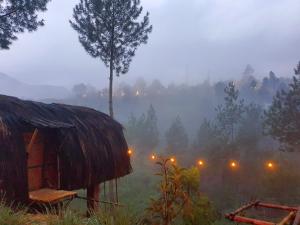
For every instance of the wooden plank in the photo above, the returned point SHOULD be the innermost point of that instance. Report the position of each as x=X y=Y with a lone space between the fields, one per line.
x=288 y=219
x=241 y=219
x=35 y=156
x=243 y=208
x=32 y=140
x=93 y=195
x=273 y=206
x=297 y=219
x=50 y=196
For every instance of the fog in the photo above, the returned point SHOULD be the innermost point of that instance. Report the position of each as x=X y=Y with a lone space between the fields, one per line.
x=191 y=42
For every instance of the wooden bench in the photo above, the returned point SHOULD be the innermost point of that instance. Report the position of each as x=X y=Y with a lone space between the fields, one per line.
x=48 y=196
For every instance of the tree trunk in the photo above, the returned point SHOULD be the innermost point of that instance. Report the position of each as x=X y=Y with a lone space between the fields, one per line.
x=110 y=102
x=111 y=113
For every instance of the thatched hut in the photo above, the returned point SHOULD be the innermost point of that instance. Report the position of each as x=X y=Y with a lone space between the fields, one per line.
x=57 y=146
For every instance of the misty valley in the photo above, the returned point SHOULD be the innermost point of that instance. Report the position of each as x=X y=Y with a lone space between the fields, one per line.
x=151 y=112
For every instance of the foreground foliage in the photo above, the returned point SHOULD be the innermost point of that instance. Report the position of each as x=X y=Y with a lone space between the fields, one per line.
x=179 y=200
x=8 y=216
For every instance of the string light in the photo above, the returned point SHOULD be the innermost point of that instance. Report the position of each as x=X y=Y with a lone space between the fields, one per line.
x=233 y=164
x=200 y=163
x=270 y=165
x=153 y=157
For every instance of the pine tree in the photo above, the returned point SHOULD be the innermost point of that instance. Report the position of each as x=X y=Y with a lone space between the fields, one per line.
x=282 y=118
x=111 y=30
x=207 y=135
x=250 y=128
x=18 y=16
x=230 y=114
x=151 y=130
x=176 y=137
x=249 y=71
x=143 y=132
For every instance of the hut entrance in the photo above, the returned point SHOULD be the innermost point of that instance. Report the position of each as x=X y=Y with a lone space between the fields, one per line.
x=42 y=161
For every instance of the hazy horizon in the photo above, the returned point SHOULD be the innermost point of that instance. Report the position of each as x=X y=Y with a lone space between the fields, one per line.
x=190 y=43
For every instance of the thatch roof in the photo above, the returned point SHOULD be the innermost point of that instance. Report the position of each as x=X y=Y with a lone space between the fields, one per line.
x=92 y=145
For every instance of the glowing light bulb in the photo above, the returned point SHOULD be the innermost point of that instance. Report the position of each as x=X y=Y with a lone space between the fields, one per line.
x=270 y=165
x=172 y=159
x=130 y=152
x=233 y=164
x=153 y=157
x=200 y=163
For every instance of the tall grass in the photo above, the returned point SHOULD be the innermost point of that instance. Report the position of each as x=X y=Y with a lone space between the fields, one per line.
x=10 y=215
x=66 y=217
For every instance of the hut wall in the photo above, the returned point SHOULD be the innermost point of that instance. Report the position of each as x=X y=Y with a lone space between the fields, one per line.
x=35 y=159
x=41 y=162
x=51 y=177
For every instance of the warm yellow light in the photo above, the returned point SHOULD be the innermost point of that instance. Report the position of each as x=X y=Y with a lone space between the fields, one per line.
x=200 y=163
x=233 y=164
x=172 y=159
x=130 y=152
x=270 y=165
x=153 y=157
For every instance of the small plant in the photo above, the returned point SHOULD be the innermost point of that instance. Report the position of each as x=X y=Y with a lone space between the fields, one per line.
x=179 y=199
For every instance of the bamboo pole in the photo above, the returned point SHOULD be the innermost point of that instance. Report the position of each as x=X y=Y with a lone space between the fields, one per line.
x=241 y=219
x=288 y=218
x=273 y=206
x=99 y=201
x=297 y=219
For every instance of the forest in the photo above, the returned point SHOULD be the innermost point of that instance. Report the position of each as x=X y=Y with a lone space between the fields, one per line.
x=153 y=151
x=208 y=127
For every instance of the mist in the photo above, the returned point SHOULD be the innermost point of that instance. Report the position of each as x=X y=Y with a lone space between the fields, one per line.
x=191 y=42
x=205 y=119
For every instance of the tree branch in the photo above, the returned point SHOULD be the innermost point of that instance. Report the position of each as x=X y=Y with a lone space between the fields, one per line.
x=11 y=12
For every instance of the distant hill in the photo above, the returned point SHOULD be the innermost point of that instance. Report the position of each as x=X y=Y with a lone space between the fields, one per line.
x=13 y=87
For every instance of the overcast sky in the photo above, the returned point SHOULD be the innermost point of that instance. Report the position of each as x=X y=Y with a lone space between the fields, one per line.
x=192 y=40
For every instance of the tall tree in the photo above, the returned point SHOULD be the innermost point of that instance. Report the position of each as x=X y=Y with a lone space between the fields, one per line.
x=282 y=118
x=230 y=114
x=143 y=132
x=249 y=71
x=111 y=30
x=176 y=137
x=207 y=135
x=151 y=129
x=17 y=16
x=250 y=128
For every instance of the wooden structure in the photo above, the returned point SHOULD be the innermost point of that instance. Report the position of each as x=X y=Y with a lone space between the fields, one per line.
x=50 y=196
x=292 y=218
x=49 y=150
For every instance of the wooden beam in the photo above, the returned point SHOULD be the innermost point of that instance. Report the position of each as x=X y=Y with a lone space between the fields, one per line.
x=288 y=219
x=32 y=140
x=273 y=206
x=243 y=208
x=241 y=219
x=93 y=196
x=104 y=202
x=297 y=219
